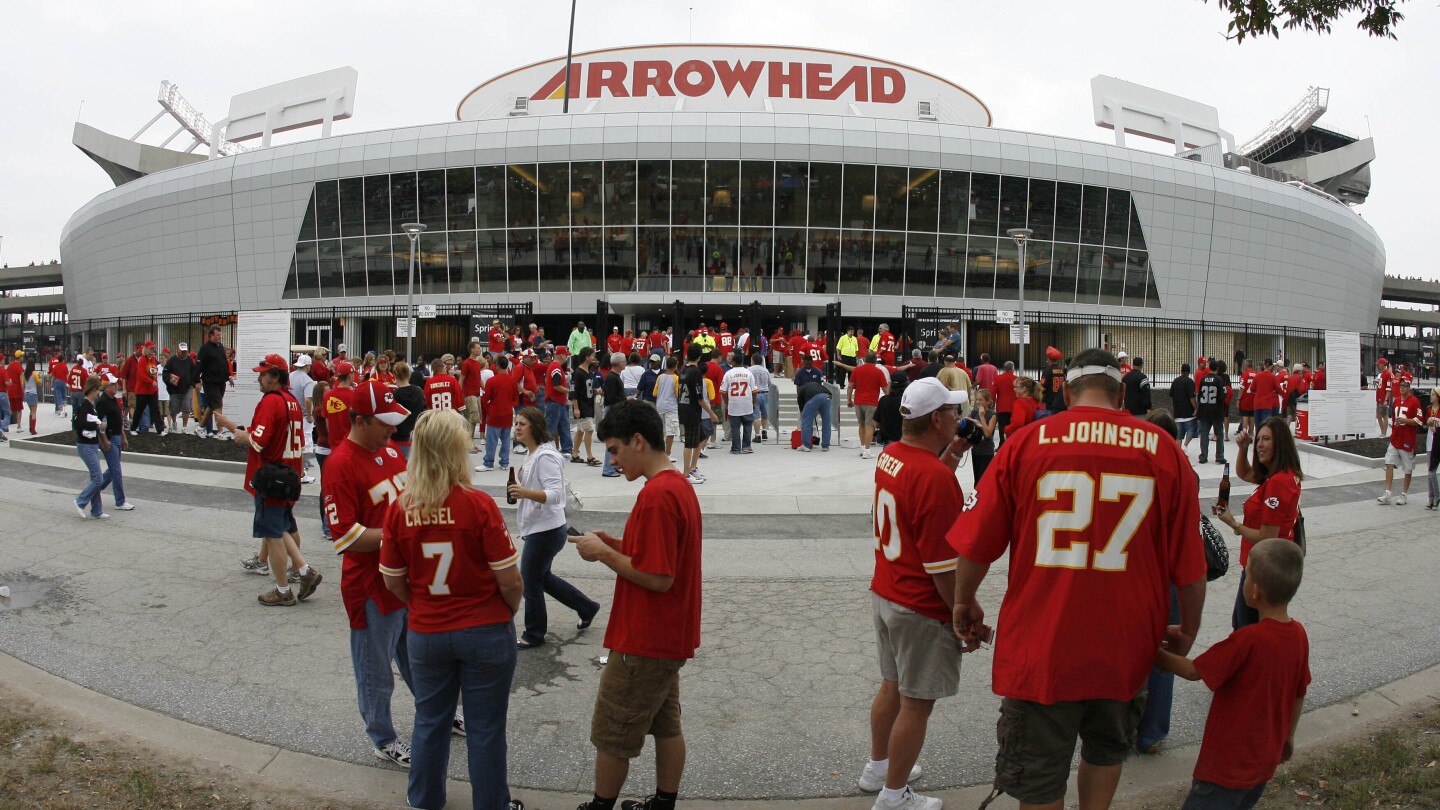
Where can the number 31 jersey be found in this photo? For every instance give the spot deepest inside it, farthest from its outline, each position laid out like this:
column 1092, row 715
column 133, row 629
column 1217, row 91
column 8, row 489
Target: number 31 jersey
column 1099, row 512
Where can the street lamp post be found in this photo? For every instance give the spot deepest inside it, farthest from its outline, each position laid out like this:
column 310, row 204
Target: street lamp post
column 1021, row 235
column 412, row 230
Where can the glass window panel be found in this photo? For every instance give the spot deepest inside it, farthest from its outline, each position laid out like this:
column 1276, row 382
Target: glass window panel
column 587, row 259
column 524, row 268
column 722, row 191
column 460, row 200
column 620, row 257
column 379, row 263
column 858, row 206
column 292, row 280
column 432, row 199
column 955, row 206
column 654, row 257
column 332, row 278
column 757, row 198
column 307, row 279
column 919, row 266
column 491, row 249
column 1064, row 272
column 403, row 205
column 307, row 226
column 825, row 195
column 352, row 207
column 950, row 266
column 980, row 268
column 791, row 250
column 687, row 191
column 619, row 192
column 792, row 189
column 554, row 194
column 821, row 263
column 432, row 273
column 859, row 258
column 327, row 210
column 554, row 259
column 1137, row 236
column 654, row 192
column 1087, row 285
column 353, row 255
column 892, row 189
column 1037, row 270
column 1007, row 269
column 755, row 257
column 463, row 265
column 1136, row 273
column 1117, row 218
column 721, row 251
column 377, row 205
column 984, row 204
column 1152, row 294
column 1042, row 210
column 1067, row 212
column 1112, row 279
column 520, row 195
column 1014, row 193
column 587, row 194
column 924, row 200
column 687, row 255
column 1092, row 216
column 490, row 198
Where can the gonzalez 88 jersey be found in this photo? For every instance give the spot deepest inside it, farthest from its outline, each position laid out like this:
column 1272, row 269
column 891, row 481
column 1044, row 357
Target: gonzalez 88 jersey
column 1099, row 512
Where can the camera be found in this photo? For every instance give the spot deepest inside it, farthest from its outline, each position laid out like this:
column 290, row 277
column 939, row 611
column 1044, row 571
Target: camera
column 970, row 432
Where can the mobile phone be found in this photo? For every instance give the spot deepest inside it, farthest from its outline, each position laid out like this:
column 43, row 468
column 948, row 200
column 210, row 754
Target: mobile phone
column 570, row 530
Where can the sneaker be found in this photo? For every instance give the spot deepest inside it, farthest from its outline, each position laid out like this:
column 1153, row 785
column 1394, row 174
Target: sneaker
column 307, row 479
column 1400, row 499
column 764, row 435
column 125, row 507
column 457, row 726
column 254, row 563
column 273, row 598
column 133, row 433
column 483, row 468
column 226, row 435
column 748, row 450
column 80, row 510
column 4, row 438
column 866, row 453
column 291, row 576
column 694, row 478
column 824, row 449
column 308, row 584
column 802, row 448
column 872, row 780
column 103, row 516
column 519, row 448
column 1383, row 499
column 396, row 752
column 909, row 801
column 1221, row 461
column 165, row 432
column 702, row 454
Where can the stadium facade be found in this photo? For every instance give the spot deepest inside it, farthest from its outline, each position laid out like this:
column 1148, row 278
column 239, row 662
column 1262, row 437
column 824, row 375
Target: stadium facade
column 758, row 184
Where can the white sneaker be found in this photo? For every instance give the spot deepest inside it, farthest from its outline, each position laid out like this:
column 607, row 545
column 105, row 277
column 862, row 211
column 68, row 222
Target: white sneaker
column 396, row 752
column 1384, row 499
column 695, row 478
column 519, row 448
column 307, row 479
column 125, row 507
column 165, row 432
column 80, row 510
column 1400, row 499
column 910, row 801
column 226, row 435
column 802, row 448
column 103, row 516
column 872, row 780
column 483, row 468
column 866, row 453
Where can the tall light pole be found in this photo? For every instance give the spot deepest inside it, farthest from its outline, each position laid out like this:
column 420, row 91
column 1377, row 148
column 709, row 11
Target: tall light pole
column 569, row 55
column 1021, row 235
column 412, row 230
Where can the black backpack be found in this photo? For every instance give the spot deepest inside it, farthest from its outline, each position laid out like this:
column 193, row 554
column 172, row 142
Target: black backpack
column 277, row 481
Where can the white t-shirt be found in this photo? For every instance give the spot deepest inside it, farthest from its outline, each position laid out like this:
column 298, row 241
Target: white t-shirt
column 739, row 387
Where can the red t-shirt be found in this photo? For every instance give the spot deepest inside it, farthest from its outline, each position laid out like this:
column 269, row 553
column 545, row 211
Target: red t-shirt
column 524, row 377
column 450, row 558
column 1402, row 437
column 615, row 343
column 16, row 385
column 499, row 401
column 862, row 345
column 497, row 340
column 715, row 376
column 916, row 500
column 557, row 382
column 1247, row 390
column 59, row 370
column 357, row 489
column 662, row 536
column 1263, row 391
column 1098, row 511
column 442, row 392
column 1276, row 503
column 1317, row 382
column 657, row 340
column 277, row 434
column 1257, row 674
column 319, row 372
column 78, row 376
column 337, row 414
column 1004, row 390
column 470, row 377
column 870, row 383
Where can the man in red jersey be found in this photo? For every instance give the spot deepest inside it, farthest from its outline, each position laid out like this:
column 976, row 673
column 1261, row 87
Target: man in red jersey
column 615, row 342
column 655, row 615
column 1317, row 383
column 147, row 390
column 1105, row 527
column 470, row 371
column 501, row 398
column 638, row 344
column 59, row 372
column 1263, row 394
column 1004, row 391
column 366, row 476
column 15, row 387
column 657, row 341
column 556, row 378
column 868, row 382
column 276, row 436
column 76, row 382
column 497, row 338
column 862, row 344
column 917, row 498
column 442, row 391
column 885, row 345
column 778, row 347
column 725, row 341
column 1409, row 417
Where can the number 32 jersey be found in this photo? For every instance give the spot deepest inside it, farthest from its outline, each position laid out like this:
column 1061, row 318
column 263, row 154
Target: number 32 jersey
column 1098, row 510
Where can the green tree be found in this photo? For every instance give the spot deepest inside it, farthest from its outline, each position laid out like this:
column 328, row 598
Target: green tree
column 1251, row 18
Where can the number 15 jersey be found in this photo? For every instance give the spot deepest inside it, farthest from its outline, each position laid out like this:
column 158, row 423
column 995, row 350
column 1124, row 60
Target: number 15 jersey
column 1100, row 514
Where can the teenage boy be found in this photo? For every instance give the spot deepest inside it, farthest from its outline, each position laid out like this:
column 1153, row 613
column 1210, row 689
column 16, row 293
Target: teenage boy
column 691, row 402
column 1259, row 676
column 1408, row 418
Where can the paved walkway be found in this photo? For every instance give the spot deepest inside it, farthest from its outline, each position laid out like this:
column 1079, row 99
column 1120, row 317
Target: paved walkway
column 150, row 608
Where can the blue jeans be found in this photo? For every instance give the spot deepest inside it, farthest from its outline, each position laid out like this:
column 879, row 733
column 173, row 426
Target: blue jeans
column 535, row 561
column 90, row 454
column 817, row 405
column 497, row 437
column 61, row 387
column 1261, row 414
column 4, row 413
column 762, row 406
column 738, row 425
column 478, row 665
column 557, row 421
column 371, row 651
column 1210, row 796
column 324, row 524
column 1160, row 688
column 113, row 476
column 1208, row 425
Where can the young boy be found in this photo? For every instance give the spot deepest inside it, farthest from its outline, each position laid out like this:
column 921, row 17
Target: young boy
column 1259, row 675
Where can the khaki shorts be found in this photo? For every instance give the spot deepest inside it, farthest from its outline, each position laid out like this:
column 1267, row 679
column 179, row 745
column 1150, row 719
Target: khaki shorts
column 585, row 425
column 917, row 652
column 472, row 410
column 1404, row 459
column 638, row 697
column 1037, row 742
column 672, row 423
column 865, row 414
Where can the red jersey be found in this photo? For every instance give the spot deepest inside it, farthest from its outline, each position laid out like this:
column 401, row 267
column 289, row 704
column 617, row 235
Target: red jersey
column 870, row 383
column 469, row 377
column 1397, row 378
column 863, row 345
column 557, row 383
column 1257, row 674
column 615, row 343
column 78, row 376
column 1402, row 437
column 524, row 377
column 1098, row 511
column 277, row 434
column 1276, row 503
column 442, row 392
column 319, row 372
column 916, row 500
column 15, row 385
column 657, row 340
column 147, row 377
column 1262, row 391
column 449, row 557
column 384, row 377
column 637, row 346
column 725, row 341
column 798, row 344
column 499, row 401
column 1247, row 390
column 1382, row 385
column 357, row 490
column 662, row 536
column 337, row 414
column 885, row 347
column 496, row 340
column 1317, row 383
column 1004, row 389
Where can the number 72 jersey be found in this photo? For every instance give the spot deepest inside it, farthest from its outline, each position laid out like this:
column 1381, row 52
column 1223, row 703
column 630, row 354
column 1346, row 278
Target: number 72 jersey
column 1100, row 515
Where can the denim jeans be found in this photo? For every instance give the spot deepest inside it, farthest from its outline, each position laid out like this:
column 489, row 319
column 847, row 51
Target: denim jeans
column 1243, row 614
column 324, row 524
column 535, row 561
column 762, row 406
column 113, row 476
column 497, row 438
column 1210, row 796
column 557, row 421
column 817, row 405
column 4, row 413
column 61, row 388
column 1261, row 414
column 739, row 425
column 1209, row 425
column 476, row 664
column 371, row 651
column 1160, row 688
column 90, row 454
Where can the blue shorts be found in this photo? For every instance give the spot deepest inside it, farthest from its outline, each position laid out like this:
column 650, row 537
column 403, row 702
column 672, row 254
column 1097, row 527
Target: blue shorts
column 1187, row 429
column 273, row 521
column 32, row 398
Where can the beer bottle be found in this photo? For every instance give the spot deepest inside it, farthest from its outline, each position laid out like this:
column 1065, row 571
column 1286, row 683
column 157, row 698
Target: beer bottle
column 1224, row 498
column 512, row 499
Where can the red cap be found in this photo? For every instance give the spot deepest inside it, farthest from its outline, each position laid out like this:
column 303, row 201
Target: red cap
column 562, row 350
column 104, row 356
column 1382, row 362
column 378, row 400
column 272, row 362
column 166, row 350
column 724, row 325
column 1053, row 353
column 343, row 368
column 149, row 344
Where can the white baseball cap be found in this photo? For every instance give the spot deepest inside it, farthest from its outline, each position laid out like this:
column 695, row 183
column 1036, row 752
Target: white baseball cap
column 340, row 348
column 1121, row 355
column 927, row 395
column 302, row 361
column 184, row 347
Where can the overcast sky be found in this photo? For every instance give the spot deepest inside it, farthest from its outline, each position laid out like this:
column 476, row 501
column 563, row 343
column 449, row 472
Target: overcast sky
column 1030, row 61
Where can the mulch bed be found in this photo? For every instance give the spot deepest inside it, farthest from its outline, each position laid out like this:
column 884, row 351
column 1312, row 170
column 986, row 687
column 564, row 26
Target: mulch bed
column 1369, row 448
column 175, row 444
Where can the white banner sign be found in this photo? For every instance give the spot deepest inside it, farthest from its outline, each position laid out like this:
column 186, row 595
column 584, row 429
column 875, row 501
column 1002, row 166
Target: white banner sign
column 1004, row 316
column 1015, row 333
column 404, row 327
column 1342, row 362
column 1339, row 413
column 256, row 335
column 425, row 310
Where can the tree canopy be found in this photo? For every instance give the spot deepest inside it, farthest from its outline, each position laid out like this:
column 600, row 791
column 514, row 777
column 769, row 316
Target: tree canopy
column 1252, row 18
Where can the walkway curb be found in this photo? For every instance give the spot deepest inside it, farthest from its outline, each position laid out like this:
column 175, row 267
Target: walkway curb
column 282, row 771
column 179, row 462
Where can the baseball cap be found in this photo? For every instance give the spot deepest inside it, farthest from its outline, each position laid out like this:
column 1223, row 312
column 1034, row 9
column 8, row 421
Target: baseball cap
column 1381, row 362
column 927, row 395
column 1053, row 353
column 302, row 361
column 184, row 347
column 19, row 353
column 340, row 348
column 562, row 350
column 149, row 344
column 109, row 379
column 272, row 362
column 1121, row 355
column 378, row 400
column 724, row 325
column 343, row 368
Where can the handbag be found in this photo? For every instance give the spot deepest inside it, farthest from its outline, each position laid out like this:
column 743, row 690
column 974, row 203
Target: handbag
column 277, row 481
column 1300, row 530
column 1217, row 555
column 574, row 505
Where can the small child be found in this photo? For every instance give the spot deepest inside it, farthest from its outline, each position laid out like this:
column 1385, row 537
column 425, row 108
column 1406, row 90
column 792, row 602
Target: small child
column 1259, row 676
